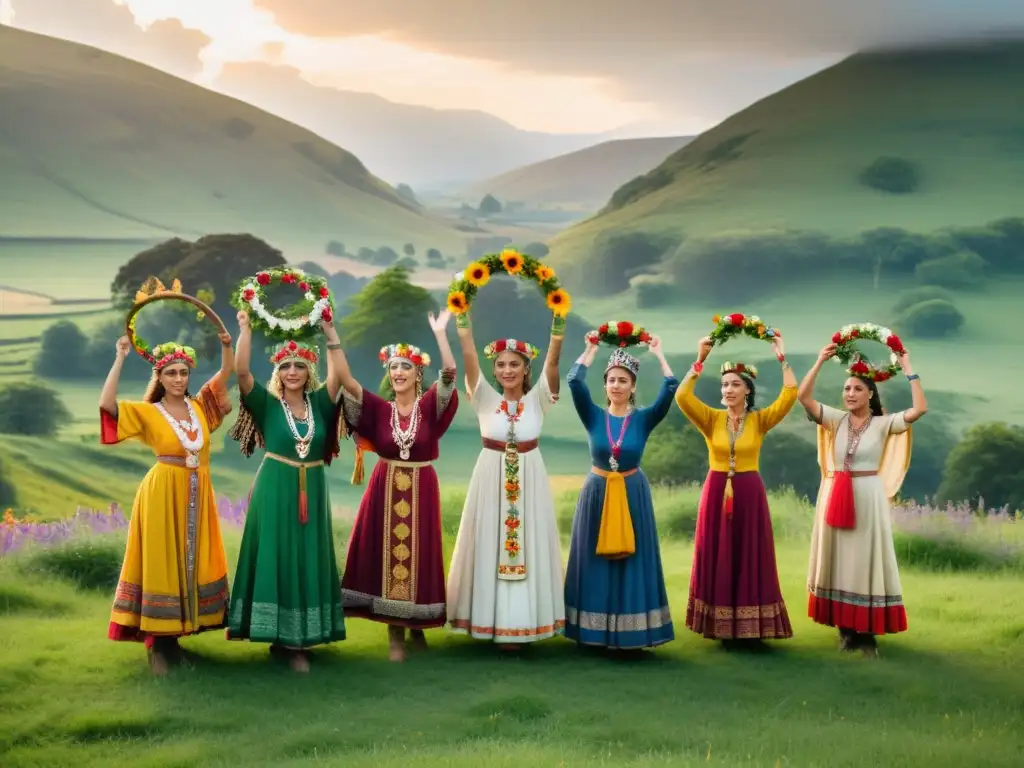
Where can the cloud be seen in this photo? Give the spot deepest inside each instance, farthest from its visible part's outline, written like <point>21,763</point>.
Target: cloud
<point>645,48</point>
<point>104,24</point>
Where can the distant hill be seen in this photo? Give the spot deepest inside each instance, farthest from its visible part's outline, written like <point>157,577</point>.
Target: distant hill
<point>95,146</point>
<point>794,160</point>
<point>406,143</point>
<point>586,177</point>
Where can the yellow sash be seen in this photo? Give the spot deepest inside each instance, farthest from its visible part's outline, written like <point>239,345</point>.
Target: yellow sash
<point>615,539</point>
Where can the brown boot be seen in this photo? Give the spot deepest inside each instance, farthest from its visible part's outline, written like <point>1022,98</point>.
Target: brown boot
<point>396,644</point>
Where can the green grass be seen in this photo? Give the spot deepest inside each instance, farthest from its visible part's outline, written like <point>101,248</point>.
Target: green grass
<point>100,147</point>
<point>792,160</point>
<point>947,692</point>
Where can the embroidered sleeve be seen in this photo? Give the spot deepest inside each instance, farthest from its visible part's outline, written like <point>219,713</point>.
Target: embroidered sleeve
<point>828,417</point>
<point>126,424</point>
<point>445,388</point>
<point>213,399</point>
<point>351,408</point>
<point>772,416</point>
<point>699,414</point>
<point>898,424</point>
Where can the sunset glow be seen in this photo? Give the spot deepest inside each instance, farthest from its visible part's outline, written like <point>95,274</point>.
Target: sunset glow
<point>402,73</point>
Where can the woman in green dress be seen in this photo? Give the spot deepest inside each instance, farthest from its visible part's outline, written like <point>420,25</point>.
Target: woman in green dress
<point>286,590</point>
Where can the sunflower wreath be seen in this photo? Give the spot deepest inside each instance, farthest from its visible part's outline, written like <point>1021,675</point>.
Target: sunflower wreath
<point>475,276</point>
<point>620,333</point>
<point>153,290</point>
<point>299,320</point>
<point>738,324</point>
<point>848,354</point>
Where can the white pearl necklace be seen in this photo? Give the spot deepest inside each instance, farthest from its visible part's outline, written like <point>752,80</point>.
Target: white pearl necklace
<point>404,438</point>
<point>302,444</point>
<point>192,446</point>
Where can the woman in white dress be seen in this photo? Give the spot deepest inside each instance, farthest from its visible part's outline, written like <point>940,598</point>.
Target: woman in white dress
<point>505,582</point>
<point>853,580</point>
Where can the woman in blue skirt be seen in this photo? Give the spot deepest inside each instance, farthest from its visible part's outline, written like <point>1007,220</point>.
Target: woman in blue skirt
<point>614,587</point>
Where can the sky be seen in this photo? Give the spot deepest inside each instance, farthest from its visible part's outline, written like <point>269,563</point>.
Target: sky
<point>561,66</point>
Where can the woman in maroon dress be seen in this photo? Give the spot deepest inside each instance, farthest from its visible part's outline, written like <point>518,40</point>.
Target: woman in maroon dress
<point>394,572</point>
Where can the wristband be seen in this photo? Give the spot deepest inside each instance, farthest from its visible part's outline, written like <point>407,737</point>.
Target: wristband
<point>785,365</point>
<point>462,321</point>
<point>557,326</point>
<point>912,377</point>
<point>334,346</point>
<point>697,367</point>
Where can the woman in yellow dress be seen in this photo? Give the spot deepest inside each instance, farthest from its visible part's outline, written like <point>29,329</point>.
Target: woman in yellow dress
<point>734,583</point>
<point>174,577</point>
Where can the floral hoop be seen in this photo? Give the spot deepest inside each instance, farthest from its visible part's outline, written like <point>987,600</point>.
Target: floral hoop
<point>620,333</point>
<point>465,284</point>
<point>153,290</point>
<point>847,353</point>
<point>300,320</point>
<point>524,348</point>
<point>736,324</point>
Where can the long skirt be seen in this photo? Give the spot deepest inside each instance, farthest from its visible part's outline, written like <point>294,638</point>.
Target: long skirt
<point>394,572</point>
<point>734,583</point>
<point>174,578</point>
<point>618,603</point>
<point>286,585</point>
<point>853,579</point>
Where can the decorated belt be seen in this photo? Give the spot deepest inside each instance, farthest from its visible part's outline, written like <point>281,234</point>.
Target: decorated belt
<point>407,464</point>
<point>302,466</point>
<point>501,447</point>
<point>606,472</point>
<point>856,473</point>
<point>179,461</point>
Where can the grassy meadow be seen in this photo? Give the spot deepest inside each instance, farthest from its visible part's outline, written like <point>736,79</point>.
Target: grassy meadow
<point>947,692</point>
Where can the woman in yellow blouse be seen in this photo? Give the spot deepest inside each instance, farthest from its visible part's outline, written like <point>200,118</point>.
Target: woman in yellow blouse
<point>174,580</point>
<point>734,584</point>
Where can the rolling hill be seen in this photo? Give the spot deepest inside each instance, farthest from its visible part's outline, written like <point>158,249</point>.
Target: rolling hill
<point>94,146</point>
<point>794,159</point>
<point>585,178</point>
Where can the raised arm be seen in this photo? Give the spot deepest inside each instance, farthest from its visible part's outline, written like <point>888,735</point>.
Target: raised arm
<point>919,404</point>
<point>227,362</point>
<point>581,399</point>
<point>805,393</point>
<point>446,381</point>
<point>659,410</point>
<point>243,354</point>
<point>470,358</point>
<point>772,416</point>
<point>108,395</point>
<point>339,373</point>
<point>699,414</point>
<point>551,360</point>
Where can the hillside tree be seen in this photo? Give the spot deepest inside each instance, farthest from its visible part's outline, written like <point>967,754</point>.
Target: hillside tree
<point>61,351</point>
<point>987,463</point>
<point>489,205</point>
<point>30,408</point>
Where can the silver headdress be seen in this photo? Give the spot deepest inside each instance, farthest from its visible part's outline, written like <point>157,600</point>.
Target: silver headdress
<point>622,359</point>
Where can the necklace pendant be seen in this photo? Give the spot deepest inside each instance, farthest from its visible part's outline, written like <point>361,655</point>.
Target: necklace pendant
<point>192,460</point>
<point>613,463</point>
<point>404,453</point>
<point>302,449</point>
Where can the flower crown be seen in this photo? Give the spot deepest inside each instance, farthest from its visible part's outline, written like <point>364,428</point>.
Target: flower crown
<point>524,348</point>
<point>741,369</point>
<point>171,352</point>
<point>414,355</point>
<point>293,350</point>
<point>622,359</point>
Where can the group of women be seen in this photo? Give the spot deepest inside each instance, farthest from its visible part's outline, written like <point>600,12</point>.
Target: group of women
<point>506,581</point>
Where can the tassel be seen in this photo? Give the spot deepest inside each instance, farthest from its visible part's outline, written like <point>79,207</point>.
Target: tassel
<point>303,497</point>
<point>727,504</point>
<point>357,471</point>
<point>840,511</point>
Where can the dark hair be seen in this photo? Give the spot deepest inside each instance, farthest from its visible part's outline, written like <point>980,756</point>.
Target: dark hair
<point>632,377</point>
<point>752,394</point>
<point>527,371</point>
<point>875,401</point>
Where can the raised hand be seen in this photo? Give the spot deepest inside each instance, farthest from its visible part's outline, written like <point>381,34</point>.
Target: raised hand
<point>779,347</point>
<point>704,348</point>
<point>827,352</point>
<point>124,346</point>
<point>243,318</point>
<point>225,338</point>
<point>655,346</point>
<point>592,340</point>
<point>440,322</point>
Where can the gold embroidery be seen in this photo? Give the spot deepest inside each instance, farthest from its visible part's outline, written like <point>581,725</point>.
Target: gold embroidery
<point>402,508</point>
<point>401,531</point>
<point>401,552</point>
<point>402,481</point>
<point>400,572</point>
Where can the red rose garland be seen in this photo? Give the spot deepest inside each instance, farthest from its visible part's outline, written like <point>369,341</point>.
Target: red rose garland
<point>620,333</point>
<point>847,353</point>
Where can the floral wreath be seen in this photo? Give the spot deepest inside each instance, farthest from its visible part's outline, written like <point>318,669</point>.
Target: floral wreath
<point>293,349</point>
<point>728,326</point>
<point>620,333</point>
<point>847,353</point>
<point>465,284</point>
<point>524,348</point>
<point>153,290</point>
<point>414,355</point>
<point>299,320</point>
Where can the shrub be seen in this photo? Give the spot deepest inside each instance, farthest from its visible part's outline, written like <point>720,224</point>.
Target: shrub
<point>894,175</point>
<point>675,456</point>
<point>636,188</point>
<point>407,262</point>
<point>934,318</point>
<point>537,250</point>
<point>618,254</point>
<point>27,408</point>
<point>963,269</point>
<point>988,462</point>
<point>957,537</point>
<point>8,494</point>
<point>907,299</point>
<point>335,248</point>
<point>61,351</point>
<point>88,562</point>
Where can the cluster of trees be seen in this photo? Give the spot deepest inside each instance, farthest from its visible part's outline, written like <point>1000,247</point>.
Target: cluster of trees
<point>386,256</point>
